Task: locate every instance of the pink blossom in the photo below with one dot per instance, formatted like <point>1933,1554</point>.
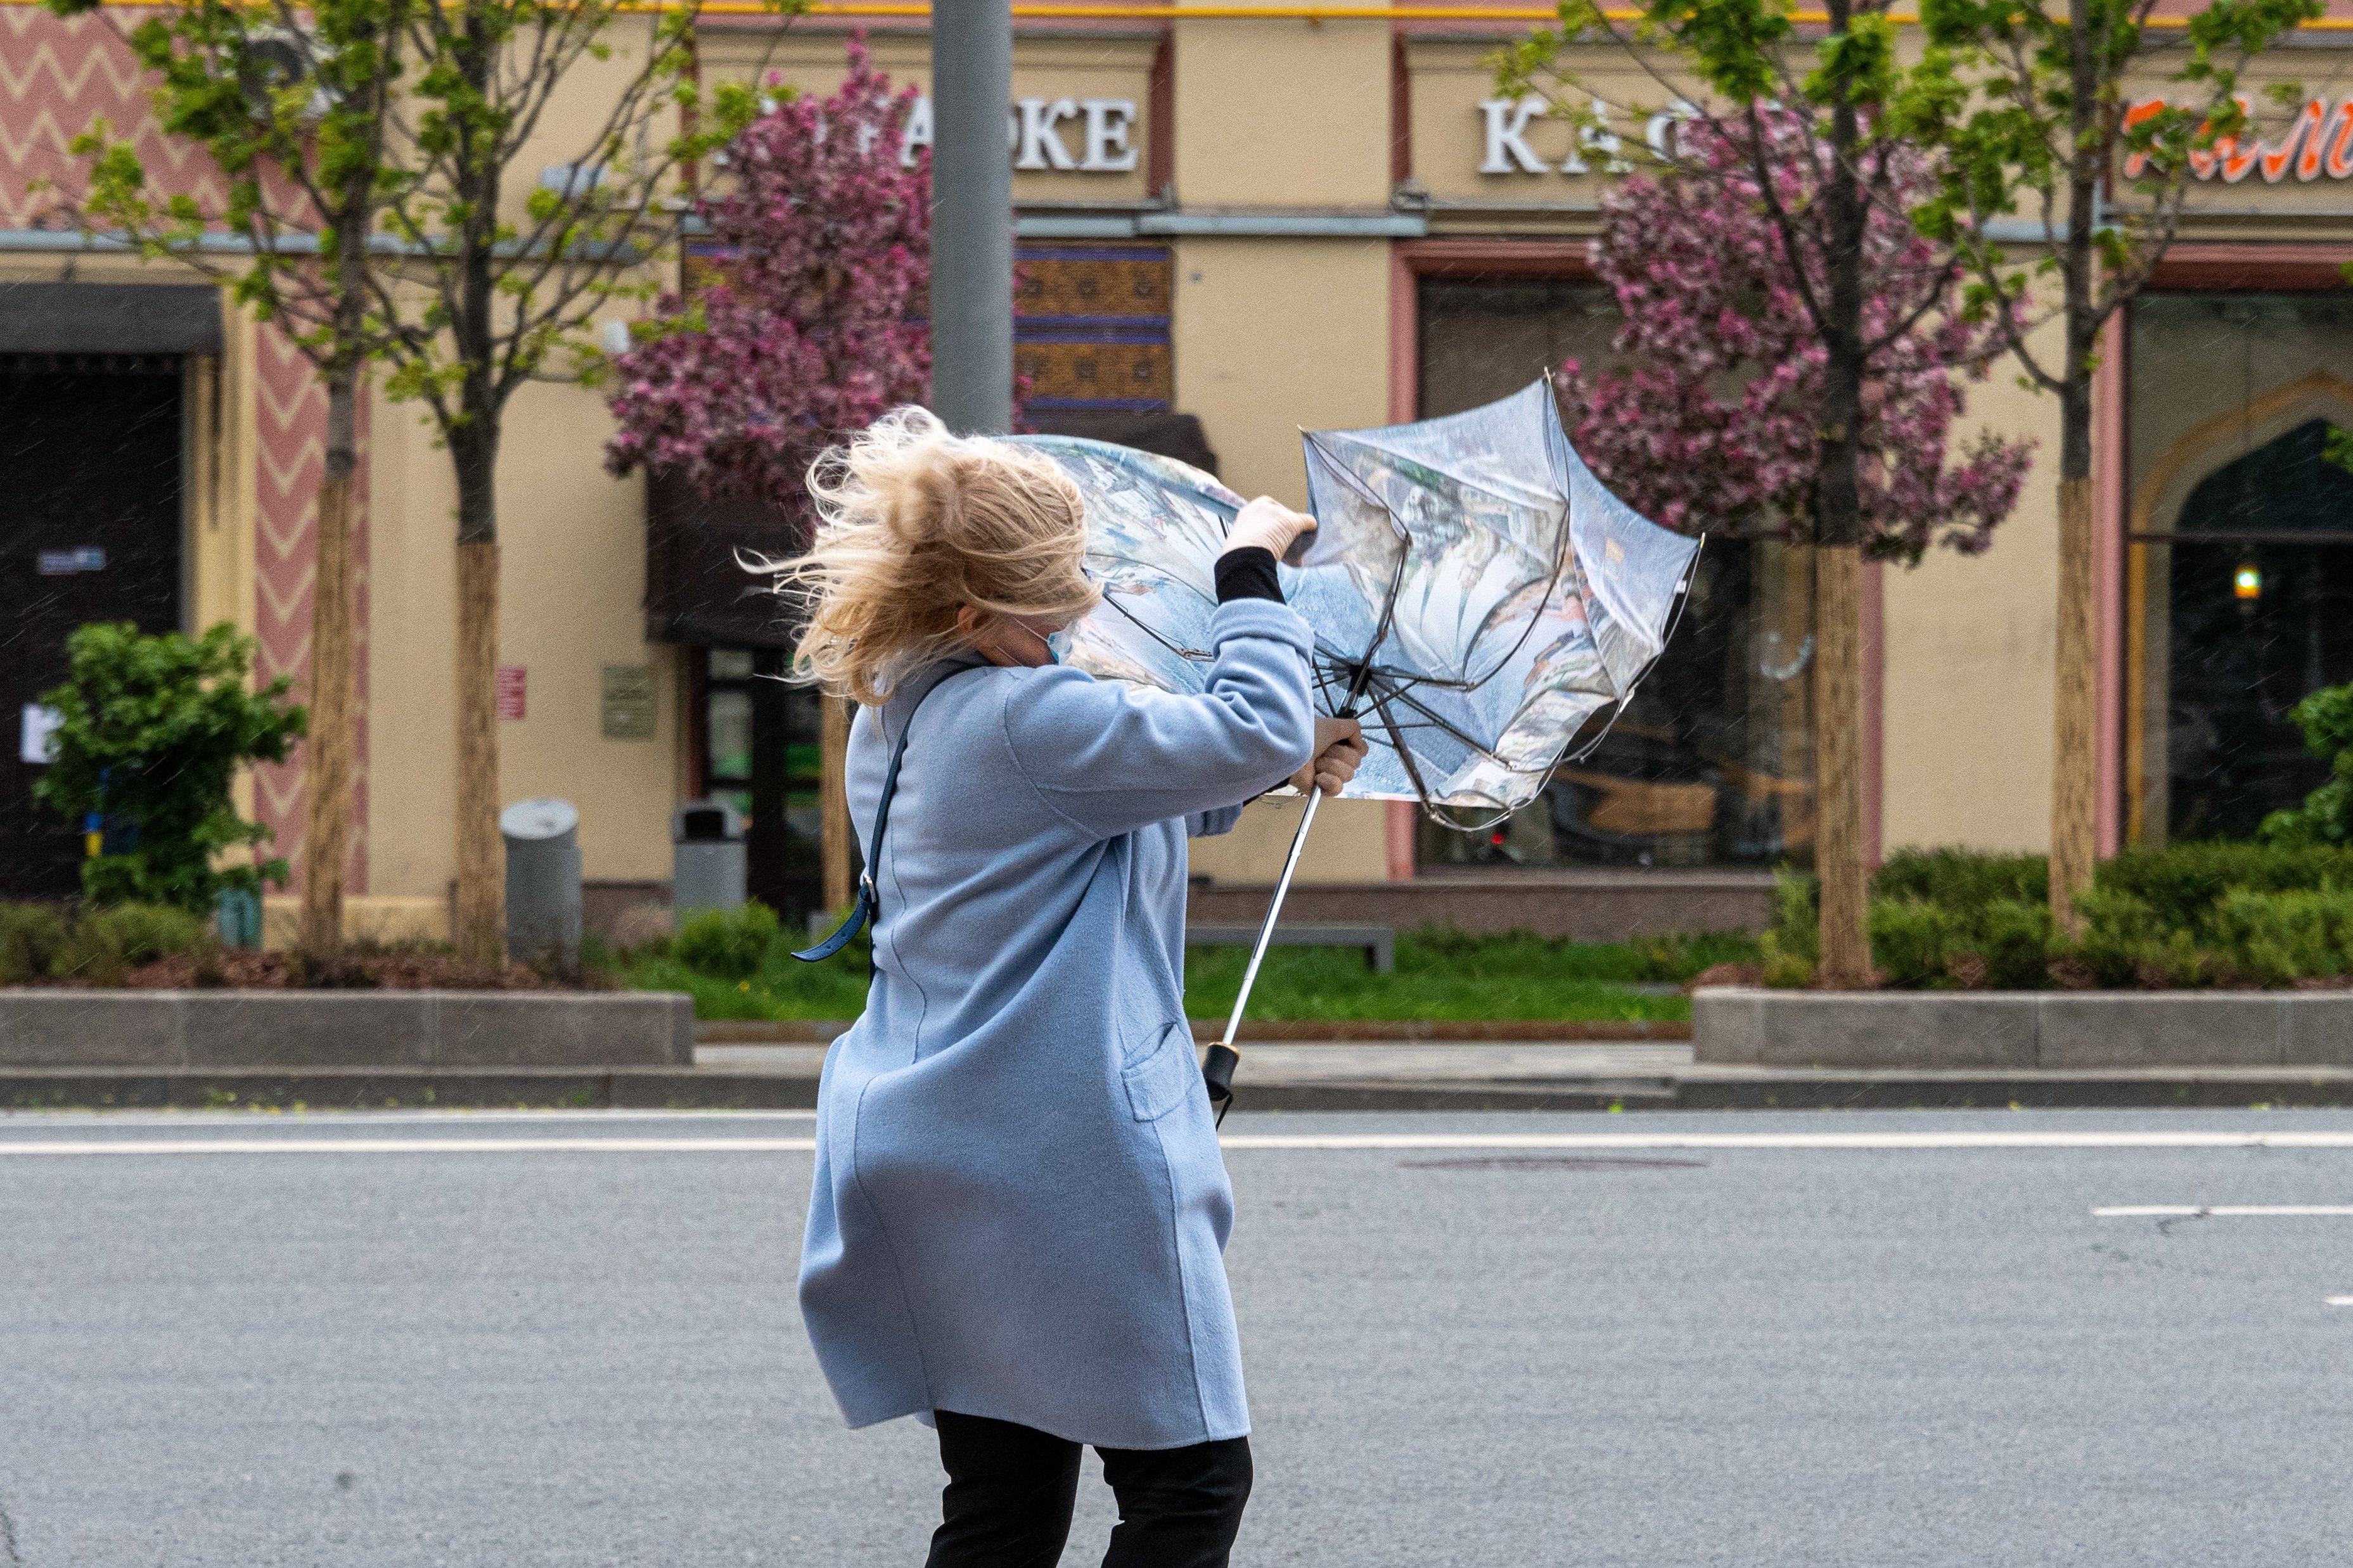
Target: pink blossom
<point>816,326</point>
<point>1709,424</point>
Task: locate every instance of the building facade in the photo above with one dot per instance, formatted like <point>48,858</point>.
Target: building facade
<point>1262,223</point>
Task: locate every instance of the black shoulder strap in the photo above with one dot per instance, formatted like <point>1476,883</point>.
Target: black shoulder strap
<point>867,908</point>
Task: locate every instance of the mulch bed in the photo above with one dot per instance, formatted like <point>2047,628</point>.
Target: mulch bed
<point>238,969</point>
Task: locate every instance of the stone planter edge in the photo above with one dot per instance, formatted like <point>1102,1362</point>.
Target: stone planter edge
<point>57,1028</point>
<point>2031,1030</point>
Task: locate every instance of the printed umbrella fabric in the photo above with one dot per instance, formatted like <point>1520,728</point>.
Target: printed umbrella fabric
<point>1476,594</point>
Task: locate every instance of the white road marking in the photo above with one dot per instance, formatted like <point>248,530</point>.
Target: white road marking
<point>410,1146</point>
<point>274,1116</point>
<point>2337,1301</point>
<point>2227,1211</point>
<point>1297,1141</point>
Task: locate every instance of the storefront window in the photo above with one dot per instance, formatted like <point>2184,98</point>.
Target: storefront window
<point>762,753</point>
<point>2239,561</point>
<point>1711,762</point>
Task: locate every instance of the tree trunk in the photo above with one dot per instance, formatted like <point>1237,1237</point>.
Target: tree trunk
<point>1839,858</point>
<point>838,836</point>
<point>2075,743</point>
<point>1838,849</point>
<point>2075,698</point>
<point>481,879</point>
<point>332,748</point>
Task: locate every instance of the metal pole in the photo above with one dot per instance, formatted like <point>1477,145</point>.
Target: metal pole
<point>1219,1062</point>
<point>972,214</point>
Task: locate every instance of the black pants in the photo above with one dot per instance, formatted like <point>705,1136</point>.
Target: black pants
<point>1010,1490</point>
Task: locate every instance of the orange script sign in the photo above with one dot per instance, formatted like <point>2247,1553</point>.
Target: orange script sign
<point>2318,140</point>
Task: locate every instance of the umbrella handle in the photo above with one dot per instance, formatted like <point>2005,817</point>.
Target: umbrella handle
<point>1218,1066</point>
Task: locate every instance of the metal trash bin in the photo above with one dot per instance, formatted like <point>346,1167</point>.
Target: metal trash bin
<point>708,858</point>
<point>543,881</point>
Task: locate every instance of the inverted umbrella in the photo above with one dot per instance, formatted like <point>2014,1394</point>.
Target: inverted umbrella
<point>1476,596</point>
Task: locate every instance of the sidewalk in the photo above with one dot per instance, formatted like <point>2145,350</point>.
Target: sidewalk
<point>1339,1075</point>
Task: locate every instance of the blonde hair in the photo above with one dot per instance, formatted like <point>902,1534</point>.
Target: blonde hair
<point>913,523</point>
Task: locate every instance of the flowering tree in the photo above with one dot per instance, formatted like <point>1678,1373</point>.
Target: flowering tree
<point>1726,265</point>
<point>809,334</point>
<point>1714,423</point>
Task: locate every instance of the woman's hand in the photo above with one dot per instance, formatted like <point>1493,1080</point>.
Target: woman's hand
<point>1339,747</point>
<point>1270,525</point>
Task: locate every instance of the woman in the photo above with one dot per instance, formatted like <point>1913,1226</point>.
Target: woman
<point>1019,1210</point>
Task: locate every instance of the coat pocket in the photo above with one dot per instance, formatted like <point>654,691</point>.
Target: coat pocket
<point>1158,1083</point>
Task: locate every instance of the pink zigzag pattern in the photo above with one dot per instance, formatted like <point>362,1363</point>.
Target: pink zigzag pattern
<point>60,75</point>
<point>293,408</point>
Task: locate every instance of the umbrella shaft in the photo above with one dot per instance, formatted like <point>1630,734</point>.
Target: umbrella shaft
<point>1273,911</point>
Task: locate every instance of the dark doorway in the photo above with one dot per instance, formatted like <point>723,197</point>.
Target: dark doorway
<point>761,754</point>
<point>2262,605</point>
<point>89,531</point>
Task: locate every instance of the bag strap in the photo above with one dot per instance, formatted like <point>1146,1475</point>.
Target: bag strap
<point>868,909</point>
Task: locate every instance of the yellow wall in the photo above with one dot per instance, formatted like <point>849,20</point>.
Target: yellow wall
<point>1283,114</point>
<point>1271,335</point>
<point>1970,657</point>
<point>571,571</point>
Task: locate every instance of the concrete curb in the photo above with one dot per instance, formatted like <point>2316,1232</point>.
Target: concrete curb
<point>162,1031</point>
<point>1697,1088</point>
<point>2011,1030</point>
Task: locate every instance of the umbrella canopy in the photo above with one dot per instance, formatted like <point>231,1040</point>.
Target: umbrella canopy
<point>1476,594</point>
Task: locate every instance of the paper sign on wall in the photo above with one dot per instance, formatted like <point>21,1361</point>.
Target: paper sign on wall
<point>627,707</point>
<point>39,741</point>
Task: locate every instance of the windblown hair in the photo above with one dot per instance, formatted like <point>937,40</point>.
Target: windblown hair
<point>914,523</point>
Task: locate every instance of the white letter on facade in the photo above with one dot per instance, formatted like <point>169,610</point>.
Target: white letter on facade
<point>1505,145</point>
<point>919,132</point>
<point>1596,137</point>
<point>1108,120</point>
<point>1041,146</point>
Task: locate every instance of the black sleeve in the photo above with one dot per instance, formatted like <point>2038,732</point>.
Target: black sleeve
<point>1248,573</point>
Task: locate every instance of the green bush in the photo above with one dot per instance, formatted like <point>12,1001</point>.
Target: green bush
<point>2327,815</point>
<point>1910,942</point>
<point>32,938</point>
<point>729,943</point>
<point>1960,879</point>
<point>151,733</point>
<point>2013,936</point>
<point>108,941</point>
<point>2184,885</point>
<point>2279,937</point>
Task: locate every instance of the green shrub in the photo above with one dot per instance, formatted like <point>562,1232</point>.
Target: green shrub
<point>1796,917</point>
<point>32,937</point>
<point>2013,937</point>
<point>1785,969</point>
<point>1910,942</point>
<point>107,941</point>
<point>729,943</point>
<point>2184,885</point>
<point>2279,937</point>
<point>151,733</point>
<point>2327,815</point>
<point>1961,879</point>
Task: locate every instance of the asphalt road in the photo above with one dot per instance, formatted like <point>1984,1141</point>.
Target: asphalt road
<point>1577,1354</point>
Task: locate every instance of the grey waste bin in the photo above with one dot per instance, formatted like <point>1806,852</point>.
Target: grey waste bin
<point>707,857</point>
<point>543,881</point>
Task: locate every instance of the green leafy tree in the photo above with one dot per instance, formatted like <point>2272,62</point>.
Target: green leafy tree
<point>294,107</point>
<point>2327,815</point>
<point>479,278</point>
<point>152,731</point>
<point>2026,103</point>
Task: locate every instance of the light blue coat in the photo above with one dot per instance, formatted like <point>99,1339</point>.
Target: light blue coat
<point>1019,1209</point>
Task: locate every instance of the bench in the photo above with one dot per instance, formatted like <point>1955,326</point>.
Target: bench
<point>1379,942</point>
